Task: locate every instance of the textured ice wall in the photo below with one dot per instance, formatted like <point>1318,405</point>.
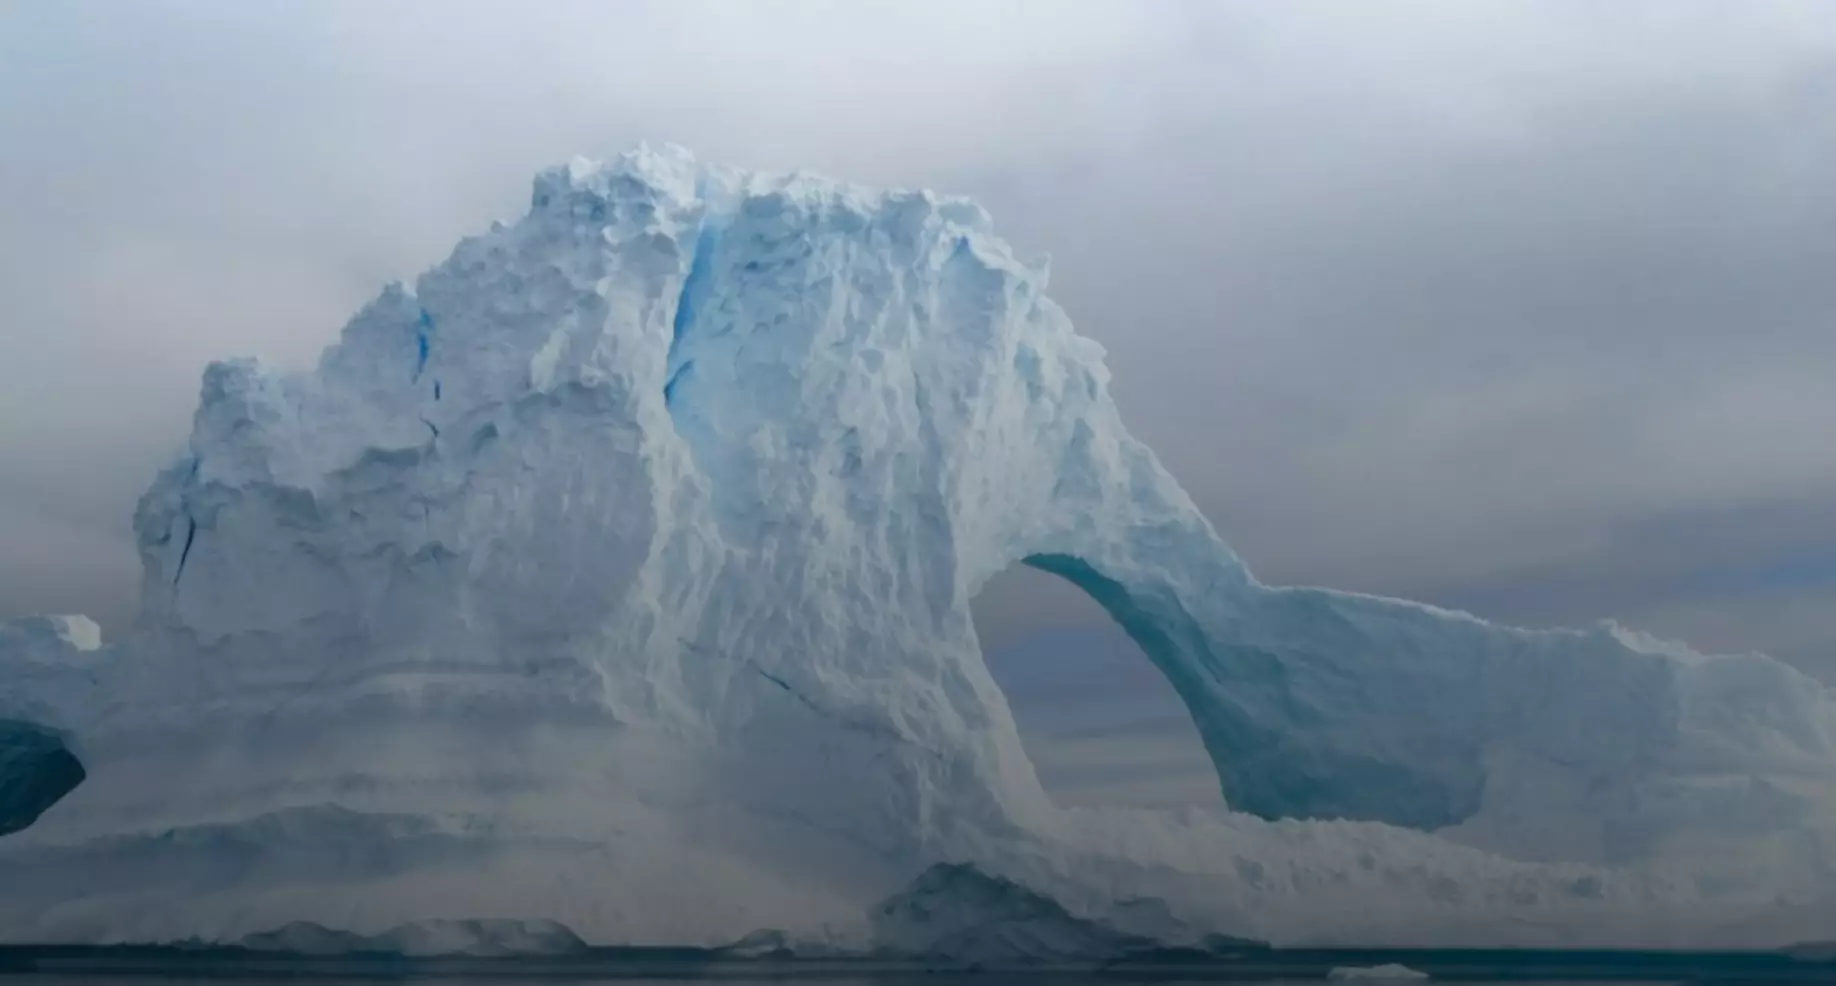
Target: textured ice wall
<point>633,546</point>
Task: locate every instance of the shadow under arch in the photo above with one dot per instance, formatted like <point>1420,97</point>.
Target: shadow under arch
<point>36,771</point>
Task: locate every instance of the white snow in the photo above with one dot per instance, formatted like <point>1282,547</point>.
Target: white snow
<point>617,574</point>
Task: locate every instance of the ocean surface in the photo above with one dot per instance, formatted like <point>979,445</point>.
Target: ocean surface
<point>927,979</point>
<point>235,966</point>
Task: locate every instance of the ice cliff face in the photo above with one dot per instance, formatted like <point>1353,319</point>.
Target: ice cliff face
<point>633,547</point>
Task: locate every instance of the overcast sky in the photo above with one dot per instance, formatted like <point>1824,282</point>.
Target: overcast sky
<point>1522,308</point>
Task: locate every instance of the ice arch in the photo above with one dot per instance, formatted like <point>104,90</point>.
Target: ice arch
<point>635,544</point>
<point>1261,766</point>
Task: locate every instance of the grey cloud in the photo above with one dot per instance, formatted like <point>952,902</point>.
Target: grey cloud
<point>1478,351</point>
<point>1522,307</point>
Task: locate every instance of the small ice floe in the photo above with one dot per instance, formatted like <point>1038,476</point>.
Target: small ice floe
<point>1390,972</point>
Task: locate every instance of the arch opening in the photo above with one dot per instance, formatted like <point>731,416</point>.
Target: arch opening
<point>1099,720</point>
<point>36,771</point>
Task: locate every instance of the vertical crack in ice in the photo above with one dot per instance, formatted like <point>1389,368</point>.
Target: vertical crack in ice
<point>191,535</point>
<point>421,345</point>
<point>693,287</point>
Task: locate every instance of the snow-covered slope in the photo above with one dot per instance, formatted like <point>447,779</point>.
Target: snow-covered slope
<point>618,574</point>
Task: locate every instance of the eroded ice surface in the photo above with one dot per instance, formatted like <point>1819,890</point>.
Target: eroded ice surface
<point>617,574</point>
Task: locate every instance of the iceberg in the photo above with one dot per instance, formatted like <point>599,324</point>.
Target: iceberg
<point>956,913</point>
<point>476,939</point>
<point>1388,972</point>
<point>617,574</point>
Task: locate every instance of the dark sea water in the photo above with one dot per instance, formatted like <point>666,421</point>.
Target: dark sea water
<point>878,979</point>
<point>168,965</point>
